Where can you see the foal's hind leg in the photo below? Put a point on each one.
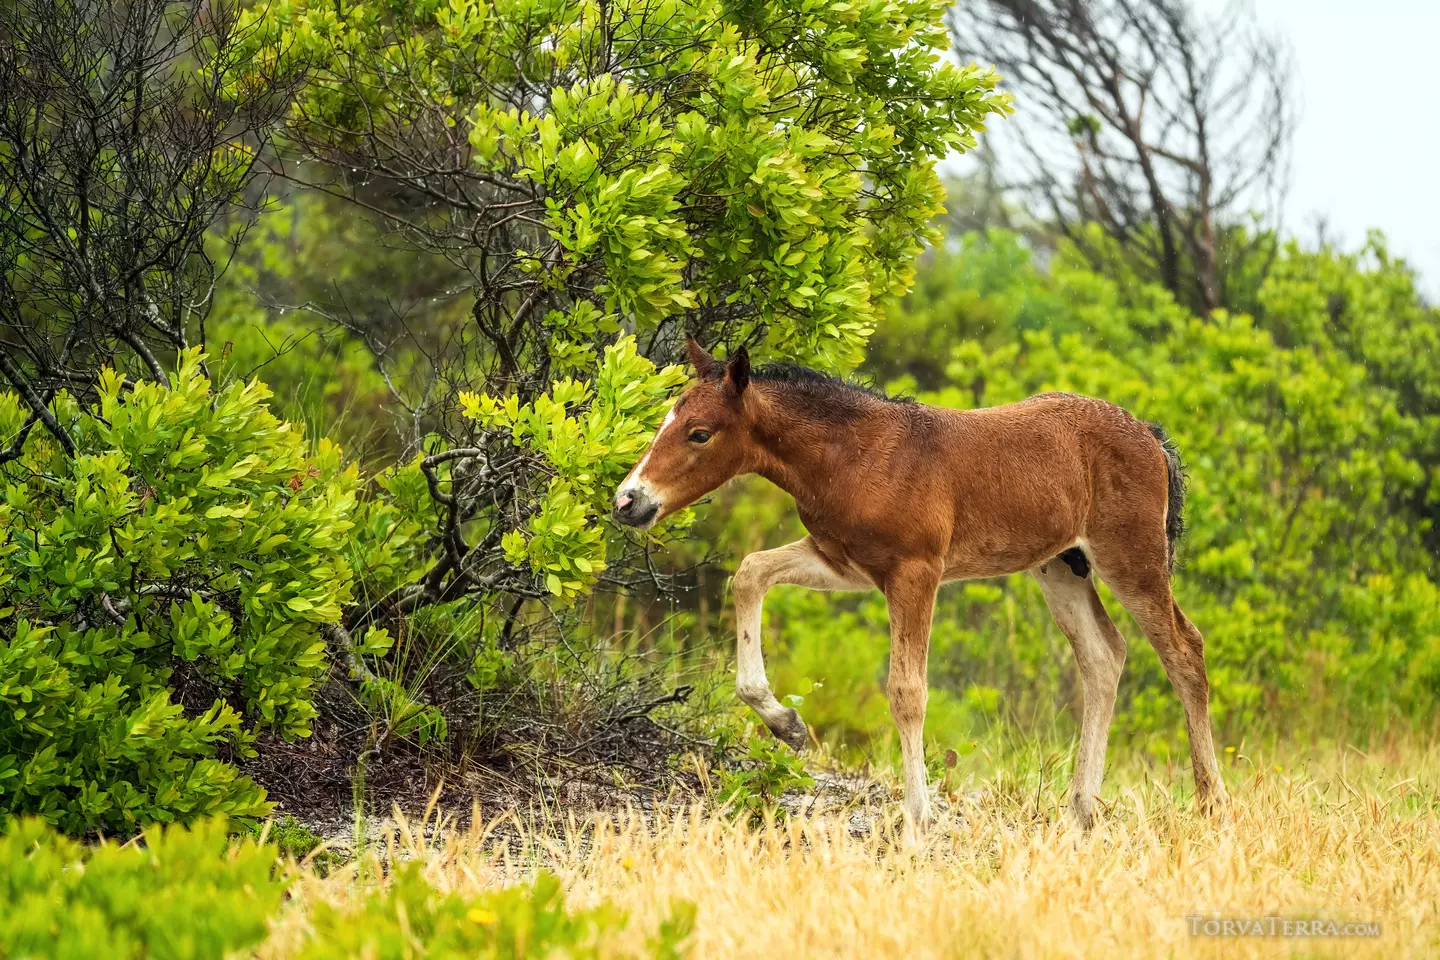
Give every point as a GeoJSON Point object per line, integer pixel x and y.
{"type": "Point", "coordinates": [1141, 581]}
{"type": "Point", "coordinates": [798, 563]}
{"type": "Point", "coordinates": [1100, 653]}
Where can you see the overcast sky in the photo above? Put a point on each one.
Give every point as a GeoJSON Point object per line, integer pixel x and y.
{"type": "Point", "coordinates": [1367, 150]}
{"type": "Point", "coordinates": [1367, 146]}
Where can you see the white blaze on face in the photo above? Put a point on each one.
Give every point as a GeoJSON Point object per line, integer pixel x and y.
{"type": "Point", "coordinates": [635, 482]}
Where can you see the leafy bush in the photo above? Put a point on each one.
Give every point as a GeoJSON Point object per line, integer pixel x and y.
{"type": "Point", "coordinates": [588, 436]}
{"type": "Point", "coordinates": [754, 788]}
{"type": "Point", "coordinates": [164, 591]}
{"type": "Point", "coordinates": [408, 917]}
{"type": "Point", "coordinates": [184, 893]}
{"type": "Point", "coordinates": [699, 157]}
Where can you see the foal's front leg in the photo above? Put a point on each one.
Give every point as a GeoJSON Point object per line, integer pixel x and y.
{"type": "Point", "coordinates": [910, 594]}
{"type": "Point", "coordinates": [797, 563]}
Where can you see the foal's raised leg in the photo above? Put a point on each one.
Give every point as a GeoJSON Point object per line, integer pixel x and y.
{"type": "Point", "coordinates": [798, 563]}
{"type": "Point", "coordinates": [910, 594]}
{"type": "Point", "coordinates": [1100, 653]}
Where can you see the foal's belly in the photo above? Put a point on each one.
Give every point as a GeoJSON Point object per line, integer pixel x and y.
{"type": "Point", "coordinates": [971, 560]}
{"type": "Point", "coordinates": [868, 558]}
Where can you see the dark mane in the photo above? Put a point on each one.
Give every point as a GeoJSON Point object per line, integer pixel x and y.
{"type": "Point", "coordinates": [820, 387]}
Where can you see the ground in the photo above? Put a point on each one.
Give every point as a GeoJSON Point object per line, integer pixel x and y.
{"type": "Point", "coordinates": [1337, 836]}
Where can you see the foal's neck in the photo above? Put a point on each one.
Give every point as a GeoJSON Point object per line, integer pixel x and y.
{"type": "Point", "coordinates": [806, 444]}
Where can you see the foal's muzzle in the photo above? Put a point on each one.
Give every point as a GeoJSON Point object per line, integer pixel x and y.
{"type": "Point", "coordinates": [635, 508]}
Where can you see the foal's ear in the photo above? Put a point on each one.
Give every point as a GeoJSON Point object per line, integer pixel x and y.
{"type": "Point", "coordinates": [706, 366]}
{"type": "Point", "coordinates": [737, 373]}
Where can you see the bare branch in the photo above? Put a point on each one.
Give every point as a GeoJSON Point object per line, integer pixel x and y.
{"type": "Point", "coordinates": [126, 133]}
{"type": "Point", "coordinates": [1163, 126]}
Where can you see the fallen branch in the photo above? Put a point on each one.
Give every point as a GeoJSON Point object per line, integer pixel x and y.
{"type": "Point", "coordinates": [679, 695]}
{"type": "Point", "coordinates": [342, 646]}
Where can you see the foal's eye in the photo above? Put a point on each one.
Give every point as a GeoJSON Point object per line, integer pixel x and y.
{"type": "Point", "coordinates": [699, 436]}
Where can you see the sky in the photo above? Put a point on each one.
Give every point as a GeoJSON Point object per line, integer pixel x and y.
{"type": "Point", "coordinates": [1366, 151]}
{"type": "Point", "coordinates": [1367, 148]}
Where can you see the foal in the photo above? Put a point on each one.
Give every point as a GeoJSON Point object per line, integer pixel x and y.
{"type": "Point", "coordinates": [900, 497]}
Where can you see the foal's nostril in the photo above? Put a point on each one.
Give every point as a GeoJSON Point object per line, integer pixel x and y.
{"type": "Point", "coordinates": [635, 508]}
{"type": "Point", "coordinates": [626, 506]}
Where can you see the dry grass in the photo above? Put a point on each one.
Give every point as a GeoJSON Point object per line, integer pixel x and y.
{"type": "Point", "coordinates": [1350, 841]}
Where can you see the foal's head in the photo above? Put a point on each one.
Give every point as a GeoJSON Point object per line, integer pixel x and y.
{"type": "Point", "coordinates": [703, 442]}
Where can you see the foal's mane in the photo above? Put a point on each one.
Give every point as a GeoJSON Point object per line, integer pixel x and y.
{"type": "Point", "coordinates": [823, 395]}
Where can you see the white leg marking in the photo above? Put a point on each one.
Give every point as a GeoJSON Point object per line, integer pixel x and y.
{"type": "Point", "coordinates": [797, 563]}
{"type": "Point", "coordinates": [1100, 654]}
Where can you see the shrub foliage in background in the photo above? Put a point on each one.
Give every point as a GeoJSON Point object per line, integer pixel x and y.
{"type": "Point", "coordinates": [163, 593]}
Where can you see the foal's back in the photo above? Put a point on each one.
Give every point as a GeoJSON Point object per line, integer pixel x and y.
{"type": "Point", "coordinates": [1009, 487]}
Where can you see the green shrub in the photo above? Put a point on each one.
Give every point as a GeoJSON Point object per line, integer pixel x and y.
{"type": "Point", "coordinates": [408, 918]}
{"type": "Point", "coordinates": [163, 592]}
{"type": "Point", "coordinates": [755, 787]}
{"type": "Point", "coordinates": [183, 893]}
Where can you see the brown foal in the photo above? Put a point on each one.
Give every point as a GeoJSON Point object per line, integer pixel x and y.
{"type": "Point", "coordinates": [900, 497]}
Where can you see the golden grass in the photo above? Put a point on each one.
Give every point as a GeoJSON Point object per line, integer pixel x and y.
{"type": "Point", "coordinates": [993, 879]}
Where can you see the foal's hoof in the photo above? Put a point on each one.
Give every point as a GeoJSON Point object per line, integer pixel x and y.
{"type": "Point", "coordinates": [793, 731]}
{"type": "Point", "coordinates": [1216, 806]}
{"type": "Point", "coordinates": [914, 830]}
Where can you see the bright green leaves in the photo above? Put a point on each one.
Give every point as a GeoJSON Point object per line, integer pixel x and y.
{"type": "Point", "coordinates": [462, 21]}
{"type": "Point", "coordinates": [562, 545]}
{"type": "Point", "coordinates": [409, 917]}
{"type": "Point", "coordinates": [391, 538]}
{"type": "Point", "coordinates": [588, 435]}
{"type": "Point", "coordinates": [629, 222]}
{"type": "Point", "coordinates": [769, 160]}
{"type": "Point", "coordinates": [193, 531]}
{"type": "Point", "coordinates": [183, 893]}
{"type": "Point", "coordinates": [574, 333]}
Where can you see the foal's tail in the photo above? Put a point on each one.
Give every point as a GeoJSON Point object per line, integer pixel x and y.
{"type": "Point", "coordinates": [1175, 507]}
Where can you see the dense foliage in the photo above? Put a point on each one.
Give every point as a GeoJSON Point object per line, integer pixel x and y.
{"type": "Point", "coordinates": [691, 156]}
{"type": "Point", "coordinates": [183, 895]}
{"type": "Point", "coordinates": [591, 182]}
{"type": "Point", "coordinates": [192, 894]}
{"type": "Point", "coordinates": [163, 593]}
